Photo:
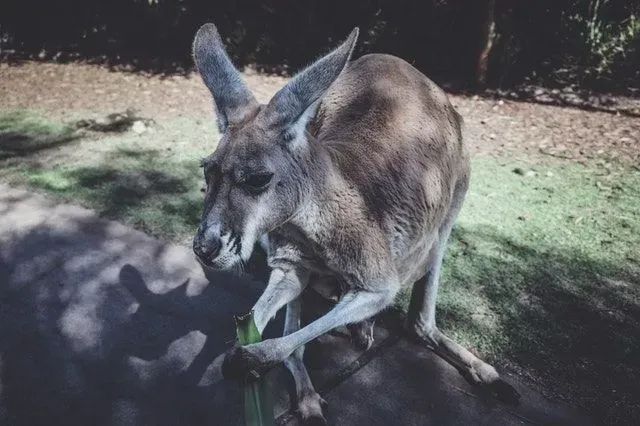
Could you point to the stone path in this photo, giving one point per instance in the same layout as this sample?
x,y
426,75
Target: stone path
x,y
103,325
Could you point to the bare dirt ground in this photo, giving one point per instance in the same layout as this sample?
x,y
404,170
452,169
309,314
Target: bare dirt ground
x,y
498,127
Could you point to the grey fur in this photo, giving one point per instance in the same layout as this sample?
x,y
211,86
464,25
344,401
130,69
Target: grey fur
x,y
308,86
231,96
362,193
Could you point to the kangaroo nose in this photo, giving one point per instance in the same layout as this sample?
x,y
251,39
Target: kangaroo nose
x,y
206,248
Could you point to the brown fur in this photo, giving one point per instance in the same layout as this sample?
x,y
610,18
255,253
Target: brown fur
x,y
367,171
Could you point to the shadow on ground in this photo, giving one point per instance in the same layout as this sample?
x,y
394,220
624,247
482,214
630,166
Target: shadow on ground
x,y
85,339
553,314
22,136
146,189
84,336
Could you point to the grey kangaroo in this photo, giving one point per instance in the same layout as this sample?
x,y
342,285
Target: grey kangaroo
x,y
353,172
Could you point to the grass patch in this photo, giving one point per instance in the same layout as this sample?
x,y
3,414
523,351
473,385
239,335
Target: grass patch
x,y
161,198
150,181
541,276
23,133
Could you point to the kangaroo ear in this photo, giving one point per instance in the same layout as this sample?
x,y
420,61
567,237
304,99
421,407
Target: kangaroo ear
x,y
295,104
231,97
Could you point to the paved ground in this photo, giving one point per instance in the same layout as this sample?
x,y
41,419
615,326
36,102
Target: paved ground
x,y
102,325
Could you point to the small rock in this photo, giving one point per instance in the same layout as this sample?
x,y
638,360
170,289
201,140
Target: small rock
x,y
500,102
544,98
492,136
139,127
573,99
549,174
531,173
518,171
607,100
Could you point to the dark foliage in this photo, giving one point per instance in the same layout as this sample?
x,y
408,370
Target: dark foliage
x,y
540,41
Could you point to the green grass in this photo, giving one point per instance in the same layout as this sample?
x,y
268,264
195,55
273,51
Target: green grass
x,y
160,197
22,133
541,276
151,181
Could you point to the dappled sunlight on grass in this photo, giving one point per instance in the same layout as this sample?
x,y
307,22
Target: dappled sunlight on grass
x,y
150,181
161,198
25,122
542,276
22,133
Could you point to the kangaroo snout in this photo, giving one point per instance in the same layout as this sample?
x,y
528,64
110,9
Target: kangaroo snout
x,y
206,245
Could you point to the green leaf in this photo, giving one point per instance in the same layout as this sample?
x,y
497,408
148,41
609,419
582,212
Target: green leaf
x,y
247,330
258,406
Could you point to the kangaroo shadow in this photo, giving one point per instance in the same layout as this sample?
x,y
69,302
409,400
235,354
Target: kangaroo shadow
x,y
173,338
162,319
85,339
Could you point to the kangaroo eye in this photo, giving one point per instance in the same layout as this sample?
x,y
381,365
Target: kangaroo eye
x,y
257,181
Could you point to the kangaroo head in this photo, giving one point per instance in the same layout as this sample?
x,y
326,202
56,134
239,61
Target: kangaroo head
x,y
257,177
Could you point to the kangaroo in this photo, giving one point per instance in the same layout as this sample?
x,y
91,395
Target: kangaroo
x,y
355,172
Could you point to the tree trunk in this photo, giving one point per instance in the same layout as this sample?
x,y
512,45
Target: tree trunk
x,y
487,37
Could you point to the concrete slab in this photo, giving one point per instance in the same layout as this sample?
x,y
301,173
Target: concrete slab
x,y
103,325
409,385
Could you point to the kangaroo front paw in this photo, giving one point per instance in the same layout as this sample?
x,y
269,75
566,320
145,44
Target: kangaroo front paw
x,y
238,362
362,334
310,408
246,361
